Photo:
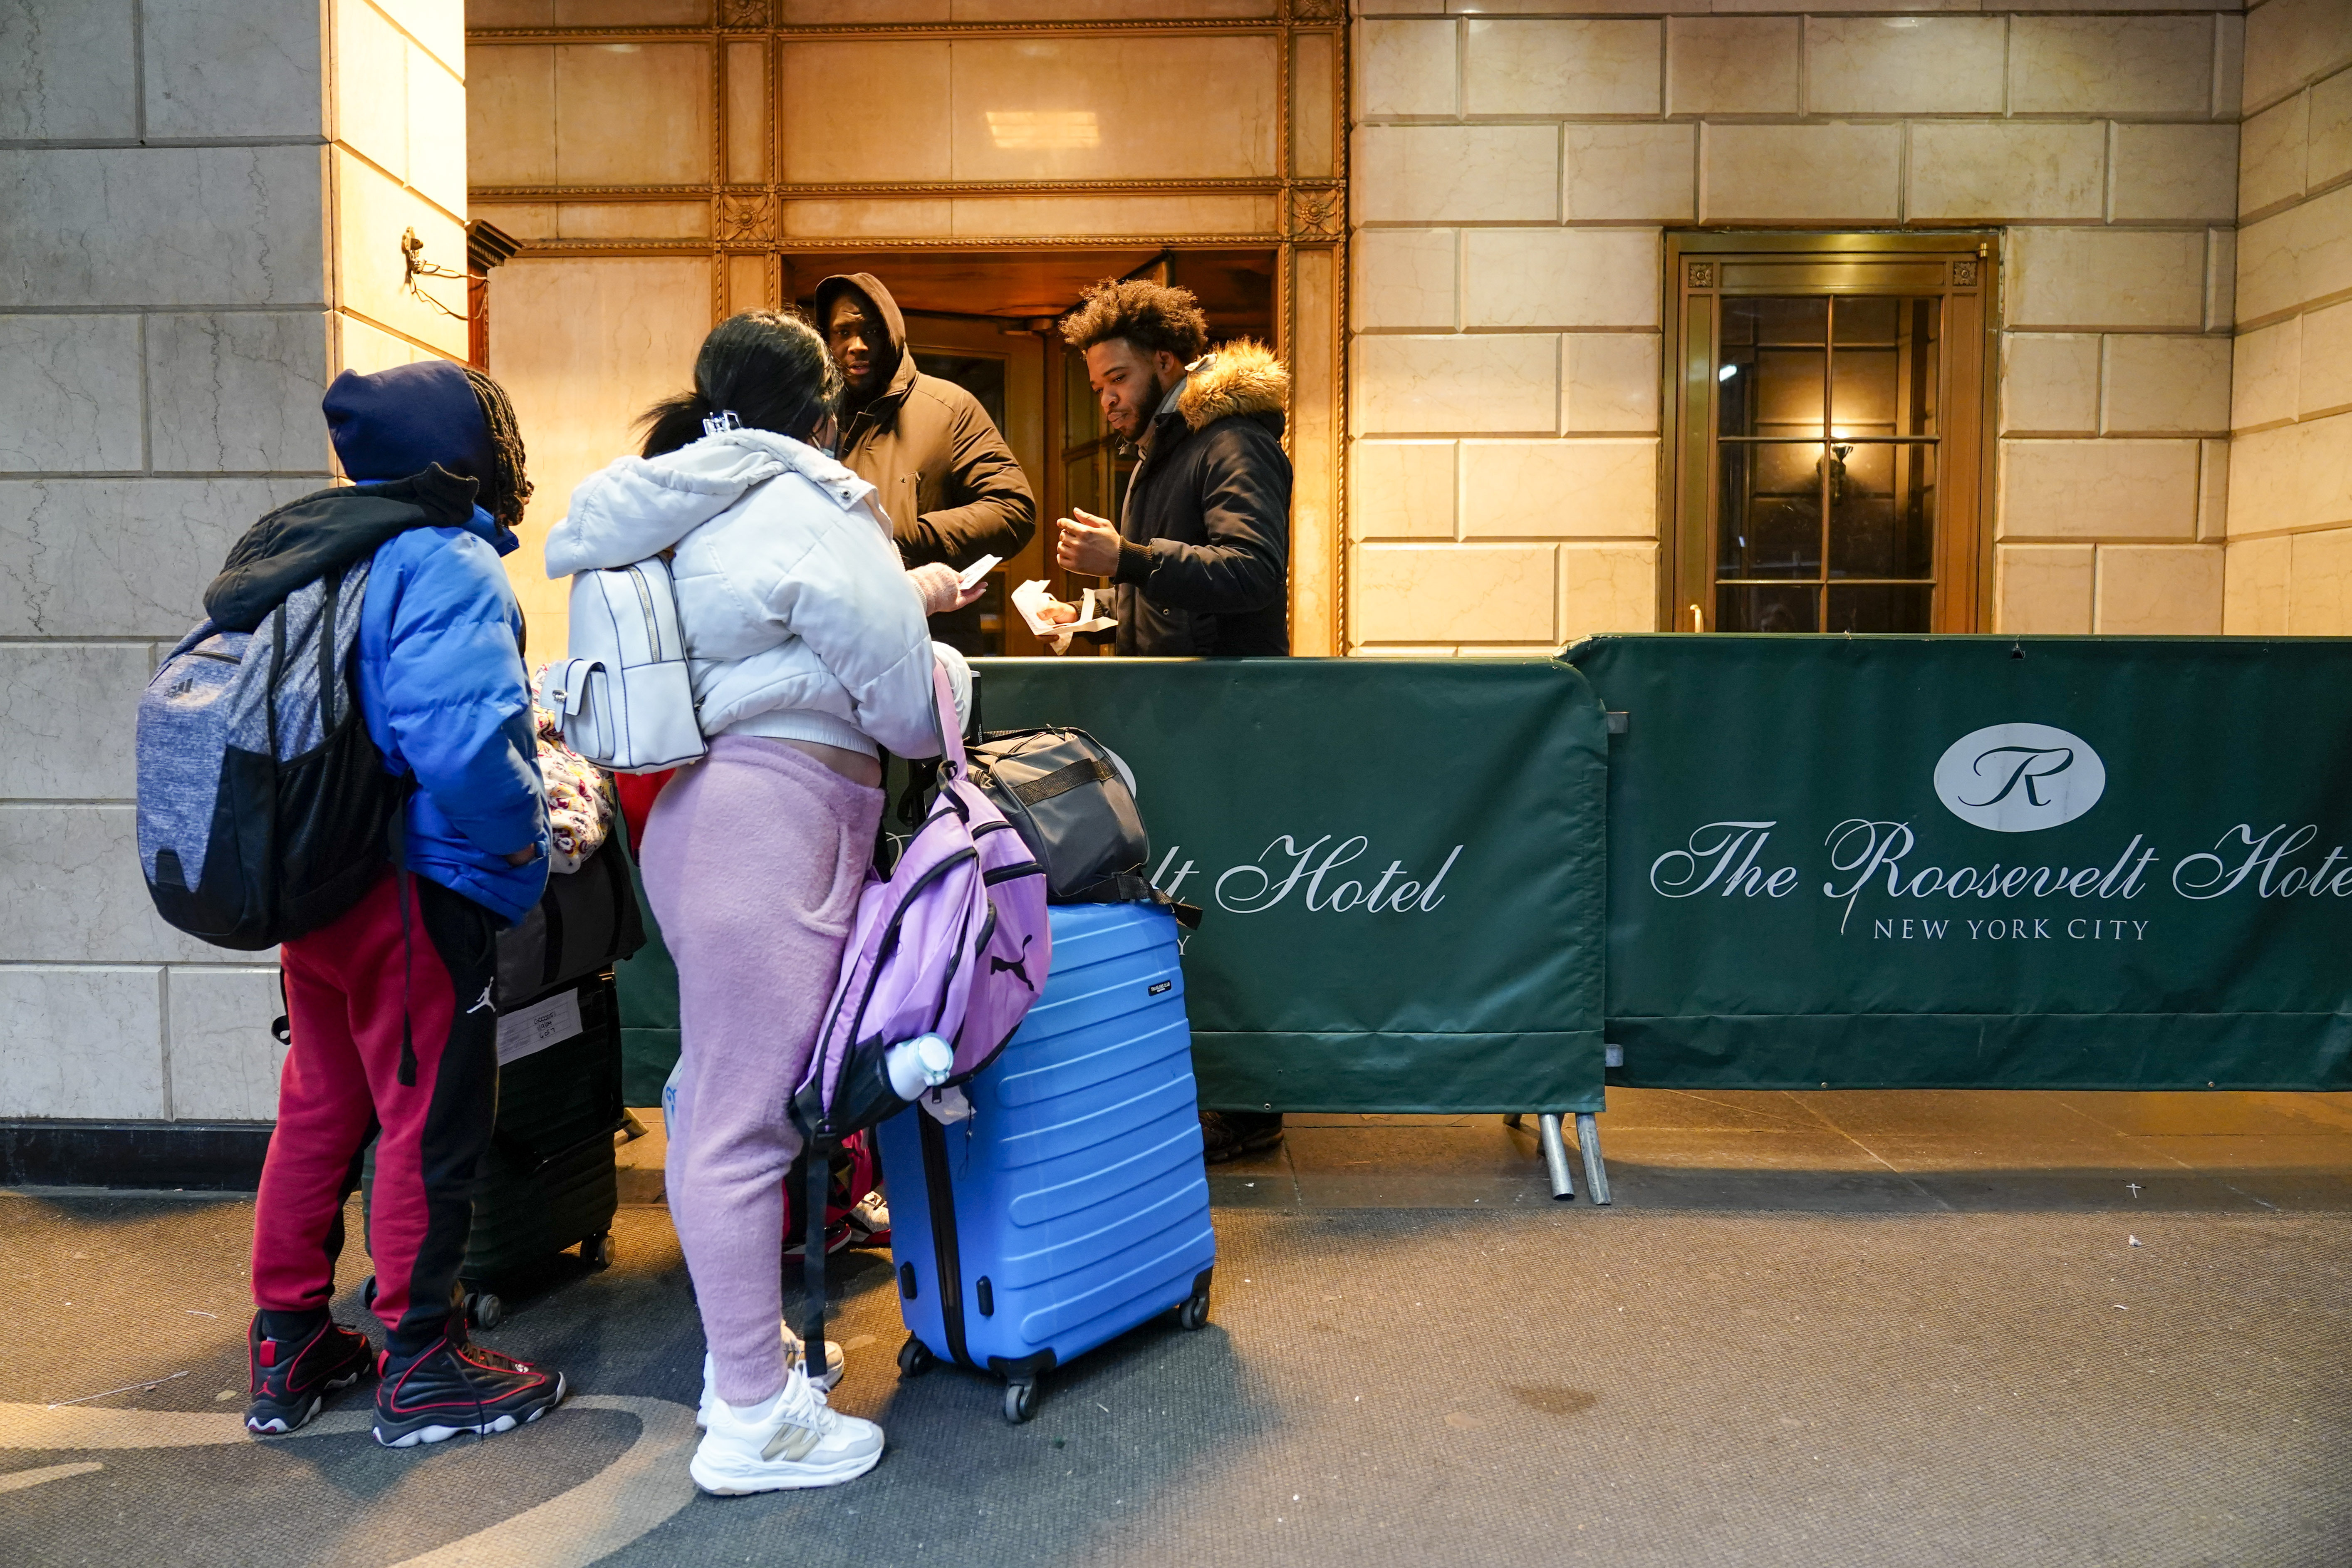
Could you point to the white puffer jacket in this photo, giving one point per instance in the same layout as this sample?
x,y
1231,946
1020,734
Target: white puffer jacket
x,y
800,622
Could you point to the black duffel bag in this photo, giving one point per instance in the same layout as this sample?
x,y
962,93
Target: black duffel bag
x,y
583,924
1074,803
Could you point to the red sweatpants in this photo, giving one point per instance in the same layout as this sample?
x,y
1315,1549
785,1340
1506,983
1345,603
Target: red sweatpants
x,y
411,1062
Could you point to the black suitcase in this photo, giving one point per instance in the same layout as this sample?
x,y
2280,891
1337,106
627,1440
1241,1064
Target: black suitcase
x,y
548,1180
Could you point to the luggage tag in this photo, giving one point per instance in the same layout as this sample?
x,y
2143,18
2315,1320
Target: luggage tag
x,y
946,1106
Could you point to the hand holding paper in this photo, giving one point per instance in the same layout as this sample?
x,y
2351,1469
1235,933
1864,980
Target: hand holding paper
x,y
1039,608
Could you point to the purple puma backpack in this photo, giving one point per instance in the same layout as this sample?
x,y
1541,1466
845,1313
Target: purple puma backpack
x,y
954,943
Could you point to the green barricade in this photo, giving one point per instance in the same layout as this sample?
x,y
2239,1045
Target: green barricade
x,y
1400,864
1979,862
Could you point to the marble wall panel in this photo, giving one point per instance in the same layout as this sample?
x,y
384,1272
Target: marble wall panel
x,y
823,12
633,12
1562,278
2044,589
238,391
1733,65
1406,67
70,394
1904,65
1561,68
371,214
70,875
2111,65
860,219
2050,383
2254,587
1456,173
2291,42
361,346
910,142
86,1043
225,1060
439,26
370,89
1402,490
633,114
2166,385
68,70
1123,108
104,558
634,220
2158,590
1405,277
584,346
2273,150
1406,386
2324,382
2213,488
1611,382
995,218
1454,593
1098,10
511,114
1615,171
2174,174
67,709
2098,489
1315,345
748,97
2145,278
2294,257
1830,172
749,282
2331,129
1315,128
436,132
2319,586
2265,496
162,226
232,68
2220,278
1606,588
1998,170
1559,490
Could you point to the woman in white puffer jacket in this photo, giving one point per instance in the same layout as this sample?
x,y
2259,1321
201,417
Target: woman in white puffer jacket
x,y
807,641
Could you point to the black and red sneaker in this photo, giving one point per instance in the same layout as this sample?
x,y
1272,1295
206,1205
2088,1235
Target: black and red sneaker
x,y
453,1387
292,1378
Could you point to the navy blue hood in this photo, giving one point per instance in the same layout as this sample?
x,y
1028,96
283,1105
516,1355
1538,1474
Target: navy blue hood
x,y
405,420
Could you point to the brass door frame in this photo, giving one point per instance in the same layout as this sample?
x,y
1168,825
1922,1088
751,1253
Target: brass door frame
x,y
1703,267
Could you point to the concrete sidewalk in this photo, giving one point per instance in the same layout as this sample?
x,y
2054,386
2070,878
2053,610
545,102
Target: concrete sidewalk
x,y
1815,1329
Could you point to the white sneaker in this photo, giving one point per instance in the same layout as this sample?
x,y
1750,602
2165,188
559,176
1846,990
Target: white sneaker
x,y
793,1440
835,1363
869,1222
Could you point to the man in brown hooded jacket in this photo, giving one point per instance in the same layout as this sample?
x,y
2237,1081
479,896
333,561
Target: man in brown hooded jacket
x,y
948,482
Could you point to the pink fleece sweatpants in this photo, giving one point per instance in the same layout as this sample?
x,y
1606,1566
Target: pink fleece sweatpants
x,y
753,858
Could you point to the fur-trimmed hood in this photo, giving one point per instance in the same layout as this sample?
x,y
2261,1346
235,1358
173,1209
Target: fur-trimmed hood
x,y
1239,379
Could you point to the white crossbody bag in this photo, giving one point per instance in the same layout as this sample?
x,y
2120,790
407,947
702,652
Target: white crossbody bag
x,y
624,695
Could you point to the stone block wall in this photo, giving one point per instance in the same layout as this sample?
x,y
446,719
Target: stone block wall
x,y
2291,457
1513,177
204,203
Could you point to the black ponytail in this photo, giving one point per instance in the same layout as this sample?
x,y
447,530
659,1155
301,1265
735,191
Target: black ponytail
x,y
771,370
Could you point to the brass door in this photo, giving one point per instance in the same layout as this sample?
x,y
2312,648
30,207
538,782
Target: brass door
x,y
1828,404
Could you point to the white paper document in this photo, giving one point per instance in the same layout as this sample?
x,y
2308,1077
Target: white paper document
x,y
1030,599
534,1028
976,570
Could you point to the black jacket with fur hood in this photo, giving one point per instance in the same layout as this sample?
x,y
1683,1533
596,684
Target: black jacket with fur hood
x,y
1204,553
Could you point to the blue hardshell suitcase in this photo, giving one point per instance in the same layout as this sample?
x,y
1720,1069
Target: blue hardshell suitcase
x,y
1072,1205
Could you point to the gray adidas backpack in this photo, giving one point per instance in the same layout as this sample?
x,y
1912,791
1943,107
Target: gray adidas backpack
x,y
264,809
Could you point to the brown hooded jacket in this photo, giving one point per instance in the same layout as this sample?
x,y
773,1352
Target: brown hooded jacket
x,y
950,484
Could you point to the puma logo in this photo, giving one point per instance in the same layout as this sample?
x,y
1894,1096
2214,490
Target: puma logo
x,y
484,1003
1015,966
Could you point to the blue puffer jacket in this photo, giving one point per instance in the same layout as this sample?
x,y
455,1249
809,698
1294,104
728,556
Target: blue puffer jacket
x,y
446,699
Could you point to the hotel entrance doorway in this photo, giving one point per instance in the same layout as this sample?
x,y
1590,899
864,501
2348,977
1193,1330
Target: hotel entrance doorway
x,y
986,321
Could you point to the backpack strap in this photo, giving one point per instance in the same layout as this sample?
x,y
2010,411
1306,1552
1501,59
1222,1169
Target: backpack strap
x,y
818,1153
1128,888
950,732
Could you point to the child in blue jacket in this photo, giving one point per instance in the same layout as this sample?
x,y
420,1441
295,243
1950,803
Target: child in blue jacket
x,y
393,1025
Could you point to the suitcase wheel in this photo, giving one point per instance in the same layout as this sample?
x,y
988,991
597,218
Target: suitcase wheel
x,y
597,1250
1194,1313
1020,1402
484,1310
914,1358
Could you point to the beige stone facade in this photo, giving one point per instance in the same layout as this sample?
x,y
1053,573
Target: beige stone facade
x,y
204,203
2290,539
1513,179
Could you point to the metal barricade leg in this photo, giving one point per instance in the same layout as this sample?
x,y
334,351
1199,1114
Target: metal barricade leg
x,y
1555,1153
1587,1144
1513,1120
